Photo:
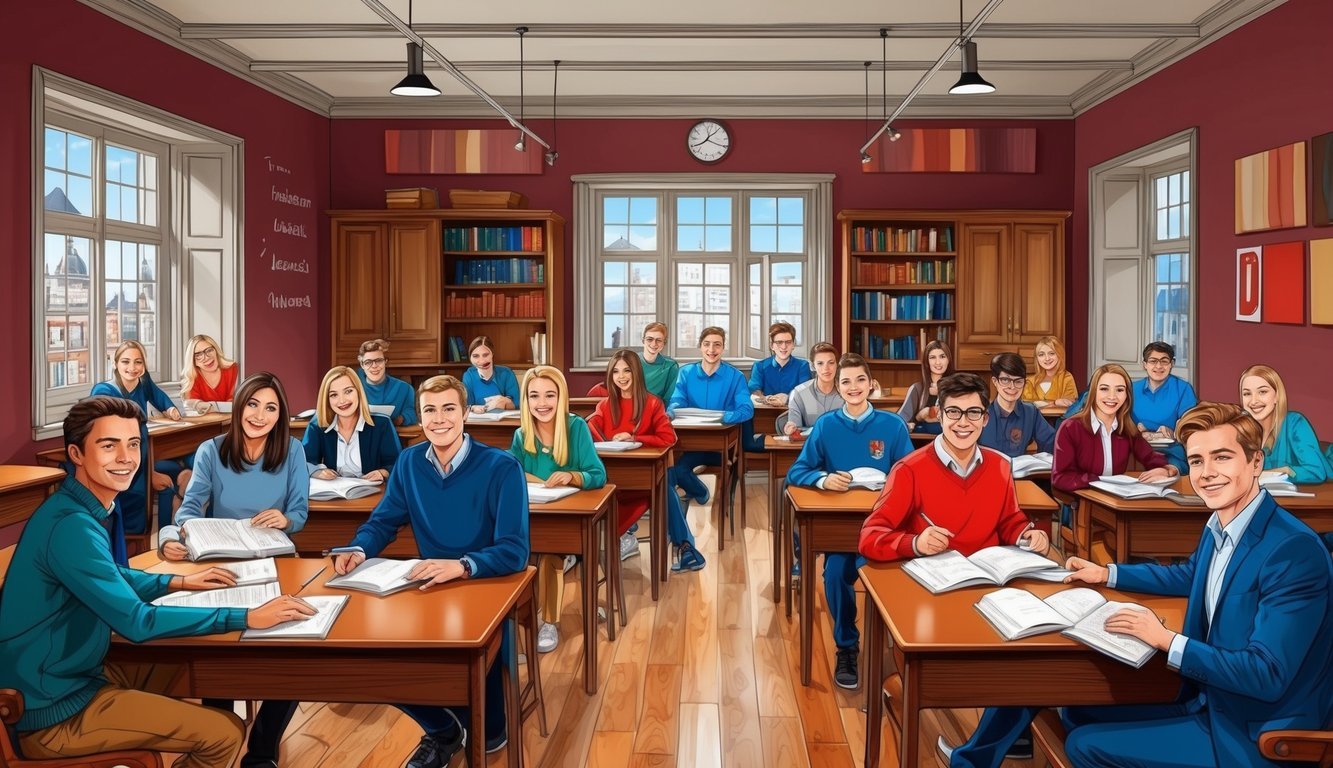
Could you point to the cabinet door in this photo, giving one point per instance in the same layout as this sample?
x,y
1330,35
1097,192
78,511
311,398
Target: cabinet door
x,y
983,290
359,287
1038,277
414,291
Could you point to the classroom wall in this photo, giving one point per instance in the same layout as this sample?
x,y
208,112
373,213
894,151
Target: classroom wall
x,y
759,146
75,40
1262,86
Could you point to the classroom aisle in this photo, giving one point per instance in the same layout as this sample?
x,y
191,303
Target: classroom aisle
x,y
707,676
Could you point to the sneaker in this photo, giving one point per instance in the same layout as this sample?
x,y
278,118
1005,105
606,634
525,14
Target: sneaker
x,y
946,751
688,560
436,750
846,671
548,637
497,742
795,569
1021,749
629,546
570,562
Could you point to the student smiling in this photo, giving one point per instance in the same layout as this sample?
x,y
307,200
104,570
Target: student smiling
x,y
208,377
659,370
381,388
1050,384
490,387
1289,442
345,438
1013,424
1099,439
920,408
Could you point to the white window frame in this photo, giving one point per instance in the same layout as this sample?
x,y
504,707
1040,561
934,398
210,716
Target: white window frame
x,y
1183,244
68,104
590,189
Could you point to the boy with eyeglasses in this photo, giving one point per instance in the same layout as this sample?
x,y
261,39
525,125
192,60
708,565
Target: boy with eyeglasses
x,y
1161,398
659,370
1012,423
383,389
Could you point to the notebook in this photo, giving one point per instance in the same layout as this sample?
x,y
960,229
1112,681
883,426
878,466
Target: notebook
x,y
327,608
617,445
249,596
540,494
378,576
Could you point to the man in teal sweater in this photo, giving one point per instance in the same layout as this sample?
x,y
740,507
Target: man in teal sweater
x,y
853,436
64,594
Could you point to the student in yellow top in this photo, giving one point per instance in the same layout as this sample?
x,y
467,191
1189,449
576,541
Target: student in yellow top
x,y
1050,384
1290,445
555,448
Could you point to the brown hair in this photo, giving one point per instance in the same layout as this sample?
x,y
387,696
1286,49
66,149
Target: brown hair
x,y
638,392
851,360
481,341
1280,405
1124,416
925,364
820,348
1209,415
374,345
442,383
278,440
962,385
324,412
79,420
655,325
781,326
712,330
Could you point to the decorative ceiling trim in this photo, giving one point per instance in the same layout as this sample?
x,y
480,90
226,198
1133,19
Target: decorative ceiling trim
x,y
1061,65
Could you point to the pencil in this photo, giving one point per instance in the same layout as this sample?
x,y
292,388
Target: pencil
x,y
319,573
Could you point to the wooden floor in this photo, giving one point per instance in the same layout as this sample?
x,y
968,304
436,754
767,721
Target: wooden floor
x,y
707,676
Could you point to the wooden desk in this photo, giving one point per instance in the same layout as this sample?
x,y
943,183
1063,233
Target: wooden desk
x,y
407,435
584,406
411,647
782,454
831,522
168,439
570,525
1160,528
726,440
333,524
499,434
949,656
23,488
766,416
1052,413
644,469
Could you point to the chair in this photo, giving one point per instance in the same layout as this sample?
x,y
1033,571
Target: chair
x,y
1305,746
11,709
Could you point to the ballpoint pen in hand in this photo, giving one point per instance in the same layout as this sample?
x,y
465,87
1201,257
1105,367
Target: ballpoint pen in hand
x,y
1022,542
933,524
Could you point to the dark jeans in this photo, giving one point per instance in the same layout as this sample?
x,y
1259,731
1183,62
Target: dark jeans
x,y
266,734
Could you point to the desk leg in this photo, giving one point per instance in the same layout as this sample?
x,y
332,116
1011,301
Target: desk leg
x,y
788,553
1121,552
476,748
775,522
740,484
657,530
513,716
911,734
807,598
874,682
612,569
589,608
722,496
1083,529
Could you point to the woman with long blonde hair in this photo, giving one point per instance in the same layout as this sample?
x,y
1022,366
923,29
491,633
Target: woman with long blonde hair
x,y
1050,383
345,439
208,377
555,449
1290,444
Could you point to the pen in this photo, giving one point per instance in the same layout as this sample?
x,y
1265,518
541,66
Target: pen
x,y
932,524
1022,542
312,578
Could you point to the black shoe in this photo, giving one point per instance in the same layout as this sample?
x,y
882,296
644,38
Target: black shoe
x,y
498,741
846,672
437,749
1021,749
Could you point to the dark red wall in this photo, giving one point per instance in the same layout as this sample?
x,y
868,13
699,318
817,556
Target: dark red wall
x,y
1264,85
74,40
759,146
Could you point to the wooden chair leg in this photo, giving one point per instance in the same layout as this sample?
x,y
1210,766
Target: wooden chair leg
x,y
527,616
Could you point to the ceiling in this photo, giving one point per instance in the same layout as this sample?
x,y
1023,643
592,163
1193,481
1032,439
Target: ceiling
x,y
743,58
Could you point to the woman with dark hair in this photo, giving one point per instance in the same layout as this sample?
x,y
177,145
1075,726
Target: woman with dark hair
x,y
490,387
634,414
255,471
920,409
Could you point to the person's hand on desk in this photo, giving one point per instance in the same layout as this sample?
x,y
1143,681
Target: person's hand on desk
x,y
933,540
1035,541
173,413
437,571
209,578
1160,473
1064,402
346,562
837,481
270,518
776,401
324,474
1086,571
559,479
477,408
174,550
379,475
623,436
278,610
1141,624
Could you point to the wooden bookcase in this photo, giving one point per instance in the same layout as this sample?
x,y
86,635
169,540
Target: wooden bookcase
x,y
981,281
429,281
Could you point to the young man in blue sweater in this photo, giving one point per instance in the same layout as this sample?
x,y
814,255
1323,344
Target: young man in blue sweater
x,y
467,504
381,388
1161,398
853,436
64,594
773,378
713,384
1014,423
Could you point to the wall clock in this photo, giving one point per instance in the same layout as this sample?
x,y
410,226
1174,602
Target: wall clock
x,y
708,141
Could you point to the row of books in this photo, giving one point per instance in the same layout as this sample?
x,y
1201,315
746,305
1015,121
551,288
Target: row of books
x,y
879,273
489,304
494,238
906,347
499,271
878,305
902,239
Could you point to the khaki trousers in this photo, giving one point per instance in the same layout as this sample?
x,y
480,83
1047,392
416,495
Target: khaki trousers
x,y
550,587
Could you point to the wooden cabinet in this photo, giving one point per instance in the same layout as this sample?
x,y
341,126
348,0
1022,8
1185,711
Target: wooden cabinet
x,y
429,281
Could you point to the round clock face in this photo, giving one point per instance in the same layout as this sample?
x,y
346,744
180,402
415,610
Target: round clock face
x,y
708,141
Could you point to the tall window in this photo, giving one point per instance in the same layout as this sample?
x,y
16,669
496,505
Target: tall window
x,y
1170,249
696,254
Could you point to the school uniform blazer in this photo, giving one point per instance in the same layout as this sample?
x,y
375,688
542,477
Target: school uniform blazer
x,y
379,445
1266,660
1077,460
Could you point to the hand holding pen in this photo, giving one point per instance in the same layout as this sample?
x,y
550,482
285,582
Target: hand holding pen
x,y
1033,539
934,539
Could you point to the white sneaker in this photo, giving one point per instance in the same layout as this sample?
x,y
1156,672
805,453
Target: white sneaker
x,y
946,751
629,546
570,562
548,637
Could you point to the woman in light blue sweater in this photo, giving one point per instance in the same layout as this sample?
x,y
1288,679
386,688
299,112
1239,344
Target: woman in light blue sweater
x,y
1290,444
255,471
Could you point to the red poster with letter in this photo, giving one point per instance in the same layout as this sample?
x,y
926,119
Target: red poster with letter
x,y
1284,283
1249,278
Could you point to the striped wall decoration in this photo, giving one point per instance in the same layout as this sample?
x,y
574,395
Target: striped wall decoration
x,y
471,151
1270,189
955,150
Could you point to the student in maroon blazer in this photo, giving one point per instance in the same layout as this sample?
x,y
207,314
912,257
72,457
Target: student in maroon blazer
x,y
1105,422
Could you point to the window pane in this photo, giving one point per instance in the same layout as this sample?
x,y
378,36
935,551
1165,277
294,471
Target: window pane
x,y
1185,220
113,203
637,324
1173,223
763,239
791,210
1163,270
1159,197
613,331
719,210
80,194
643,210
615,237
643,273
613,272
718,273
756,332
786,299
689,273
1161,224
719,300
718,238
690,238
787,272
79,154
690,326
756,300
795,320
721,321
643,300
643,238
689,299
55,148
613,299
1185,186
690,210
615,210
1173,189
791,239
763,210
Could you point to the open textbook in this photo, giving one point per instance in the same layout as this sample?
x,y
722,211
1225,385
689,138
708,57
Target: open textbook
x,y
949,570
249,596
342,488
1278,484
1078,613
209,538
540,494
617,445
1030,464
378,576
1127,487
327,608
492,416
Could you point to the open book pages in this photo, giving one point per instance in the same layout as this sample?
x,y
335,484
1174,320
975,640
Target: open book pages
x,y
702,414
342,488
1161,442
308,413
1279,484
378,575
1129,488
250,596
1078,613
540,494
382,410
949,570
216,537
1030,463
1091,631
617,445
252,571
492,416
164,426
867,477
327,608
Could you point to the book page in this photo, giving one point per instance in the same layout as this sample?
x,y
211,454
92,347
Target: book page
x,y
617,445
1022,612
207,536
1132,489
253,571
251,596
945,571
705,414
377,575
327,608
342,488
1076,603
540,494
1091,630
867,477
1003,563
1029,463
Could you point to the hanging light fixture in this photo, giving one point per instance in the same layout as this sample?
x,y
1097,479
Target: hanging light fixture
x,y
522,144
416,83
970,81
553,155
865,156
884,80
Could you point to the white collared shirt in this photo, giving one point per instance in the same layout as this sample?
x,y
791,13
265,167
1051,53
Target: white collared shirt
x,y
948,460
349,451
1105,435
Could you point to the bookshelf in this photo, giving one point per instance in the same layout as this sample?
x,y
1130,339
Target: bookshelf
x,y
468,272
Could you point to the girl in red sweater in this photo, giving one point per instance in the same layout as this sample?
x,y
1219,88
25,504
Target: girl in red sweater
x,y
632,413
208,377
1106,420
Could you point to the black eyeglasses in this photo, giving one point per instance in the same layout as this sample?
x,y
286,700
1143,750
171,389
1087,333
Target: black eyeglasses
x,y
954,413
204,354
1006,381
